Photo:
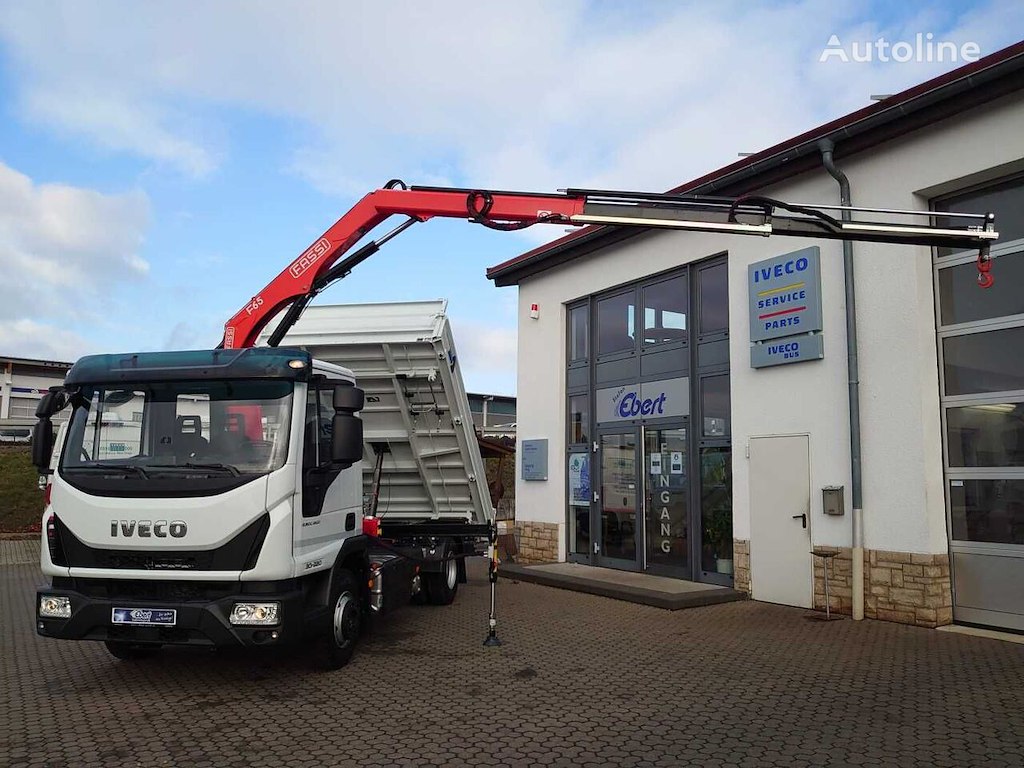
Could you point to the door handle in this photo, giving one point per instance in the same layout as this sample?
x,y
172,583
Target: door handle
x,y
802,518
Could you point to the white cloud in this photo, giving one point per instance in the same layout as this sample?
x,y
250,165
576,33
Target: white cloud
x,y
487,354
41,341
535,95
117,122
63,250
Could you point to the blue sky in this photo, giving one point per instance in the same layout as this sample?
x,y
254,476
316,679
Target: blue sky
x,y
159,163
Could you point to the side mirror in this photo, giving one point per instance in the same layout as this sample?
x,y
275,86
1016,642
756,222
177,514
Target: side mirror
x,y
52,402
42,444
347,439
348,399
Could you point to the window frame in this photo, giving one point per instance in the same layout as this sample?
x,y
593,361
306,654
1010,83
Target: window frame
x,y
641,306
953,474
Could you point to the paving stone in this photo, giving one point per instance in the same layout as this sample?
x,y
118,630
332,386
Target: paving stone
x,y
610,683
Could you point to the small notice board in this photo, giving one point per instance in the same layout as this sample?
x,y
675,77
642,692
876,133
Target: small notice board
x,y
535,459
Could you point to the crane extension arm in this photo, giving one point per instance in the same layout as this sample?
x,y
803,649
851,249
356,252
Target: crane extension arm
x,y
325,260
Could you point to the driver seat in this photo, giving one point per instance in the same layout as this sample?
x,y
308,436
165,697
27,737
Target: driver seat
x,y
188,438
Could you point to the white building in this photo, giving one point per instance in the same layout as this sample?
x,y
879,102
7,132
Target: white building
x,y
723,481
22,383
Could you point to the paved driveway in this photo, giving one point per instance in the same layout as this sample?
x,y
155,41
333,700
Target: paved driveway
x,y
581,680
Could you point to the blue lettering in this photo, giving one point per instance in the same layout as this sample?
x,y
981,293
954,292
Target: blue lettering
x,y
779,270
632,406
788,350
626,404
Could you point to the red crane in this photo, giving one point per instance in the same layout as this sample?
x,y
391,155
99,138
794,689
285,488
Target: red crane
x,y
325,261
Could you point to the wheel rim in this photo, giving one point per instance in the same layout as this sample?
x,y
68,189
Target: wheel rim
x,y
346,619
451,573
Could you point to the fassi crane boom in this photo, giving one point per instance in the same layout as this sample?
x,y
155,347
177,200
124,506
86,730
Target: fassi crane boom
x,y
323,261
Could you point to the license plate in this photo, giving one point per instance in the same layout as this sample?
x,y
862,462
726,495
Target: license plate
x,y
145,617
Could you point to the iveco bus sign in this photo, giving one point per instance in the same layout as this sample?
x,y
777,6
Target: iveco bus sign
x,y
641,402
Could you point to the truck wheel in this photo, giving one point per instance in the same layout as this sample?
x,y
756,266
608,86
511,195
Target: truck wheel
x,y
346,623
441,587
130,651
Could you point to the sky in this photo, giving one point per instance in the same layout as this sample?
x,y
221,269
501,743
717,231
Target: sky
x,y
161,162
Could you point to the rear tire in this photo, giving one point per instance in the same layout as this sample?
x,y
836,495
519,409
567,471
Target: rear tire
x,y
442,587
346,621
125,651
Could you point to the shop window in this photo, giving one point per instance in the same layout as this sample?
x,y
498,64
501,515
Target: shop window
x,y
579,334
579,419
714,404
713,283
987,510
665,306
992,361
960,301
716,510
986,435
579,501
1005,200
615,323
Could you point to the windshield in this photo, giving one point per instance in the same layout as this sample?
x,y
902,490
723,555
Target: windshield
x,y
234,427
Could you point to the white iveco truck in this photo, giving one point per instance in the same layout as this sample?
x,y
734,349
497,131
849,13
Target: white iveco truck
x,y
218,497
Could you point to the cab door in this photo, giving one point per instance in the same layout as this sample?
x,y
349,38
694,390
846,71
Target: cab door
x,y
331,498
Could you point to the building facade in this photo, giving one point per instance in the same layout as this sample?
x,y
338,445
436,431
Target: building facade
x,y
493,415
692,431
22,383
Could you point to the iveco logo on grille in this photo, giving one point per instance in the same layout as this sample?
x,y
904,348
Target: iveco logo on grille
x,y
145,529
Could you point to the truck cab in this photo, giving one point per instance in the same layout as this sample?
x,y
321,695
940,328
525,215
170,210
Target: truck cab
x,y
201,498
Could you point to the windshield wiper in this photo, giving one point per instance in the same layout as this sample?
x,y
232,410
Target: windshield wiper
x,y
194,465
123,468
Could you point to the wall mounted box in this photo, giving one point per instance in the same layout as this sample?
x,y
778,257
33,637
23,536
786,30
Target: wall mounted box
x,y
832,500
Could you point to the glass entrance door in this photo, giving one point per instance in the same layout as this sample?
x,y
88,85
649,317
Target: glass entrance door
x,y
616,506
666,496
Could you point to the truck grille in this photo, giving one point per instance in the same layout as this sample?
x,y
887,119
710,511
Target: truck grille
x,y
160,591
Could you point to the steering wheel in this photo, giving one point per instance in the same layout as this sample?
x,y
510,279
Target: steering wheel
x,y
85,455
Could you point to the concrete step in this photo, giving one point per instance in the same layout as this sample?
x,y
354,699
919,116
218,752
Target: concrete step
x,y
656,591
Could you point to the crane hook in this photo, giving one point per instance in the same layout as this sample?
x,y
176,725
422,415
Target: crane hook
x,y
985,279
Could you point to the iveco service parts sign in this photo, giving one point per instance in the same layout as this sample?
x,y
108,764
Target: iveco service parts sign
x,y
785,295
641,402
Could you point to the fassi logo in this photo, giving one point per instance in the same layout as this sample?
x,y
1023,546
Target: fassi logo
x,y
311,256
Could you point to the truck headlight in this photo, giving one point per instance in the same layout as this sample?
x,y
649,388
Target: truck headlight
x,y
255,614
54,607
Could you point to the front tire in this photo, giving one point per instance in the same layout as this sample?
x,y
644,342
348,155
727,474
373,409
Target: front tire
x,y
125,651
346,621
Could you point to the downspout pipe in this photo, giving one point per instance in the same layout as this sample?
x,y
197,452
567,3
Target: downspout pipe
x,y
826,147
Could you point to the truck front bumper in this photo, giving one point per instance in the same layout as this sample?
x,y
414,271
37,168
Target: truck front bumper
x,y
200,620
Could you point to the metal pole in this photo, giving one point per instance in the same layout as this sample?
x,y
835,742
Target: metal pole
x,y
826,146
492,574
